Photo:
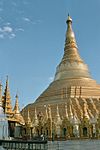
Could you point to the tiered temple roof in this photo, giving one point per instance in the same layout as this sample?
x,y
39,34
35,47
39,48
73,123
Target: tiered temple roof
x,y
5,99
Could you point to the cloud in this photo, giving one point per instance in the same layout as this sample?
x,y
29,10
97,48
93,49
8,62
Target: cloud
x,y
19,29
26,19
6,31
35,22
9,32
12,35
8,23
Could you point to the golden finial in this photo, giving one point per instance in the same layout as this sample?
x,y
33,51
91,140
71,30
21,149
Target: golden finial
x,y
17,94
7,82
6,78
69,19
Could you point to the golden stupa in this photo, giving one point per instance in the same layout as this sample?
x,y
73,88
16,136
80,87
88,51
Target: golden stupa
x,y
73,98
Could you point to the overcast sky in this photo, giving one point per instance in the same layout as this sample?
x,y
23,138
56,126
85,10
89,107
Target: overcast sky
x,y
32,36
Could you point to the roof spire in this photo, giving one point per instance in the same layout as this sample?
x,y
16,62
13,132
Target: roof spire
x,y
1,108
35,117
17,114
58,116
49,112
46,112
58,119
85,110
16,108
0,95
7,82
7,100
28,118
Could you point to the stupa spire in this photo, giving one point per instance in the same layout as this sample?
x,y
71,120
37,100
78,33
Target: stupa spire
x,y
71,49
71,65
69,34
28,118
16,108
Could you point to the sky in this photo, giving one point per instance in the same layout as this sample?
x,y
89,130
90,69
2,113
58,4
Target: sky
x,y
32,36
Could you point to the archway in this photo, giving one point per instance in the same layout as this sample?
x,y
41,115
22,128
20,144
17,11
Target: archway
x,y
47,132
64,131
85,132
41,130
38,132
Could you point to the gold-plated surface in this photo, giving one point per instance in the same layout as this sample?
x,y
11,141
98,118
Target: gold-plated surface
x,y
17,115
5,99
71,65
71,101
